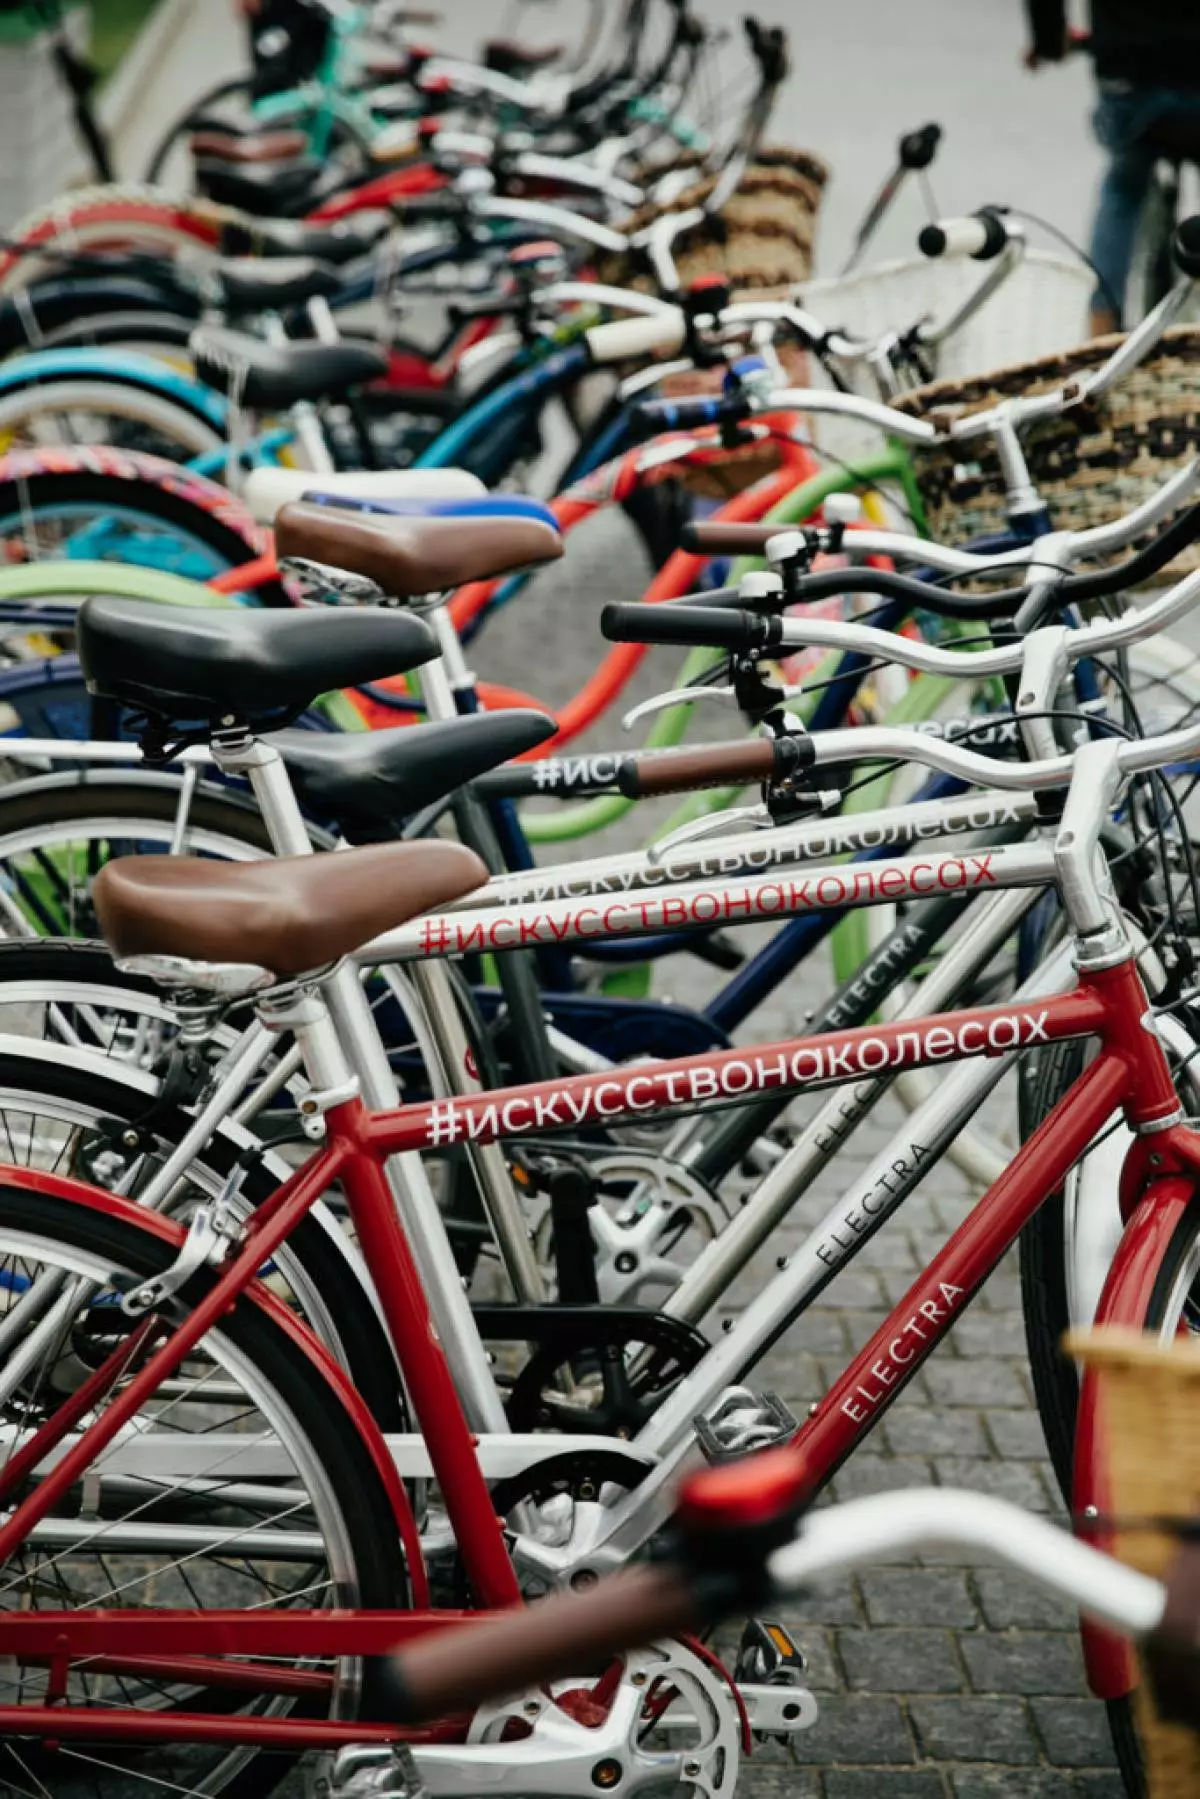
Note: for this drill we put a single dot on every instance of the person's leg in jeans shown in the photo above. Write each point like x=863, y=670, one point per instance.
x=1121, y=121
x=1124, y=122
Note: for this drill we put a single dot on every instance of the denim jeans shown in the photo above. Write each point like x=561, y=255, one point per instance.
x=1125, y=114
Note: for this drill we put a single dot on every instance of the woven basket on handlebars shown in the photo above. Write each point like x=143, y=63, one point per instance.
x=762, y=237
x=762, y=242
x=1091, y=464
x=1150, y=1394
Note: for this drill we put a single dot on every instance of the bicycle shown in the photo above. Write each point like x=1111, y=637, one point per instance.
x=1105, y=1003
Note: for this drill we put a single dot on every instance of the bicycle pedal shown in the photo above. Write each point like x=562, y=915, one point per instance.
x=364, y=1771
x=769, y=1674
x=743, y=1422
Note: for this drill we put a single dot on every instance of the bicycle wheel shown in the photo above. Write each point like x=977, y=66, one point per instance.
x=154, y=1537
x=160, y=518
x=89, y=409
x=104, y=217
x=164, y=335
x=57, y=833
x=96, y=1109
x=1060, y=1285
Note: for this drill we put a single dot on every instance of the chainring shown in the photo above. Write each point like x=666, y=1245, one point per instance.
x=623, y=1392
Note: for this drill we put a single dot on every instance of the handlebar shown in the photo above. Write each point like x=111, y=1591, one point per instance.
x=982, y=236
x=737, y=540
x=690, y=627
x=720, y=1561
x=1101, y=637
x=629, y=340
x=695, y=625
x=737, y=764
x=896, y=743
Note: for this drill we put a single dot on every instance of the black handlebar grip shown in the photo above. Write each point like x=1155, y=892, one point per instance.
x=918, y=148
x=768, y=45
x=1186, y=247
x=691, y=627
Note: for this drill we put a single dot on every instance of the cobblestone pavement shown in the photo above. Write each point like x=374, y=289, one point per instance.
x=934, y=1679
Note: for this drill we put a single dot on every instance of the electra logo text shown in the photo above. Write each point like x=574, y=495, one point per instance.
x=893, y=1365
x=447, y=934
x=603, y=1099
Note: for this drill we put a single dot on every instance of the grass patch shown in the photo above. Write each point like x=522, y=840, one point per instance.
x=115, y=24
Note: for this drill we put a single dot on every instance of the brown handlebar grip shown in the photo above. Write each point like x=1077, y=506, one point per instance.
x=706, y=765
x=714, y=539
x=569, y=1633
x=1172, y=1651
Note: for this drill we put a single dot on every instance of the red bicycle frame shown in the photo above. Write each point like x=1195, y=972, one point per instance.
x=1129, y=1072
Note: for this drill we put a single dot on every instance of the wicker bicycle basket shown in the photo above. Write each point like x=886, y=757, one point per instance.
x=762, y=242
x=1150, y=1394
x=1091, y=464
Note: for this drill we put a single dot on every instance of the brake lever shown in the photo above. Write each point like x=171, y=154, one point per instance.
x=712, y=824
x=678, y=696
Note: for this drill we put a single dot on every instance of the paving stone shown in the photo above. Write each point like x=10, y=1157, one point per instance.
x=918, y=1596
x=989, y=1334
x=1001, y=1292
x=1020, y=1482
x=901, y=1661
x=867, y=1473
x=882, y=1783
x=862, y=1326
x=926, y=1430
x=854, y=1287
x=1074, y=1731
x=858, y=1729
x=758, y=1779
x=975, y=1384
x=829, y=1602
x=894, y=1248
x=822, y=1334
x=792, y=1376
x=980, y=1730
x=1009, y=1601
x=1024, y=1662
x=950, y=1209
x=1009, y=1783
x=1017, y=1435
x=1100, y=1786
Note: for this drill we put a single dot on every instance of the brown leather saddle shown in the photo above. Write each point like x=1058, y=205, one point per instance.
x=291, y=916
x=409, y=557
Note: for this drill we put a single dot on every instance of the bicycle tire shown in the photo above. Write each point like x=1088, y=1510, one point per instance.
x=208, y=521
x=105, y=216
x=364, y=1517
x=131, y=407
x=148, y=333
